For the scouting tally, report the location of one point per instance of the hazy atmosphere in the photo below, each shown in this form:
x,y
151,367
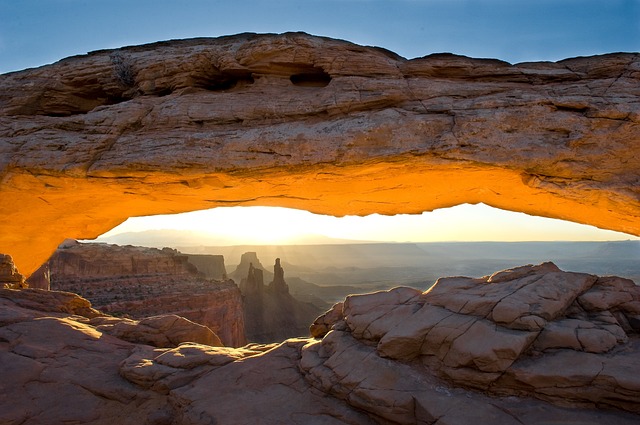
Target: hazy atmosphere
x,y
272,225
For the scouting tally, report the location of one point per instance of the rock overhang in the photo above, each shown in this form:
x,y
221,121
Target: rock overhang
x,y
311,123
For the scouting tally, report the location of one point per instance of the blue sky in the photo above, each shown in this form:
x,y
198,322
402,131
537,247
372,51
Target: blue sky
x,y
37,32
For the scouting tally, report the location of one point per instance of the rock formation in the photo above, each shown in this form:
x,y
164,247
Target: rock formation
x,y
278,285
535,331
9,275
163,331
248,260
212,266
254,282
139,282
550,347
313,123
271,314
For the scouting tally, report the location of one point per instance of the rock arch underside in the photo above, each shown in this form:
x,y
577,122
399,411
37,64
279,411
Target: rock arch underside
x,y
312,123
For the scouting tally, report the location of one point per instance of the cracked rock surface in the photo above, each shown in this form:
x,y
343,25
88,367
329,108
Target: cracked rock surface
x,y
393,357
311,123
535,331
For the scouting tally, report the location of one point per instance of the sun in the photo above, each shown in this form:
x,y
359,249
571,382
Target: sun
x,y
276,226
258,225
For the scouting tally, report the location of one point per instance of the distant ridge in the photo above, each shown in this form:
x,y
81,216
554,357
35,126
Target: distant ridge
x,y
159,238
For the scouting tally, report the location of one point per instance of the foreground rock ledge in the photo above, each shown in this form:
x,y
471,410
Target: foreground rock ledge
x,y
312,123
525,346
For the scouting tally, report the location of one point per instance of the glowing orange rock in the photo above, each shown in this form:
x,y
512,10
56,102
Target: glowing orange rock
x,y
312,123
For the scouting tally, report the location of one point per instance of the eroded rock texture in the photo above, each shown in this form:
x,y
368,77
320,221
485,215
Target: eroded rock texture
x,y
548,346
271,313
536,331
140,282
9,275
312,123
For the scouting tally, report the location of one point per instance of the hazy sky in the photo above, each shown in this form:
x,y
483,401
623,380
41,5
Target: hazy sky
x,y
270,225
37,32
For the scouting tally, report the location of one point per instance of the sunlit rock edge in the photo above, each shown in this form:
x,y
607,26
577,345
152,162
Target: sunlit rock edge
x,y
528,345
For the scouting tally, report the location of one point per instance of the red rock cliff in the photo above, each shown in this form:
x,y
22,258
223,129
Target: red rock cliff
x,y
141,282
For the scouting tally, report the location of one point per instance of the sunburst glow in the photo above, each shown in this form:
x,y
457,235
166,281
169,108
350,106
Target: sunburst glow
x,y
273,225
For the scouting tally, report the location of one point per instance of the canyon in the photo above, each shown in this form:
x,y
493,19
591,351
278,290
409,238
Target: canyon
x,y
271,312
139,282
328,126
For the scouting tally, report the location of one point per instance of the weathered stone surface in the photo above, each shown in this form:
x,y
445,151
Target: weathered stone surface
x,y
267,389
535,295
395,392
325,322
10,278
461,330
369,316
58,370
164,370
51,301
139,282
49,357
160,331
313,123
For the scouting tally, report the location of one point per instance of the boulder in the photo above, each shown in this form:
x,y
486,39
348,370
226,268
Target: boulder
x,y
496,333
167,330
10,278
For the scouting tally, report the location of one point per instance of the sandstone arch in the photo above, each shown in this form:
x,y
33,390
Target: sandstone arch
x,y
314,123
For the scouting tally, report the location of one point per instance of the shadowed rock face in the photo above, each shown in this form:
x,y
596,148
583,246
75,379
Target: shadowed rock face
x,y
549,346
312,123
271,313
142,282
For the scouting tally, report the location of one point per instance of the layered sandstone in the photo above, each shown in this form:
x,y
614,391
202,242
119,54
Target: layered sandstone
x,y
568,338
212,266
140,282
312,123
271,313
551,347
10,277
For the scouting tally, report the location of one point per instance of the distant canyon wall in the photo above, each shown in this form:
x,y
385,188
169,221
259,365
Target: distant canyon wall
x,y
212,266
139,282
313,123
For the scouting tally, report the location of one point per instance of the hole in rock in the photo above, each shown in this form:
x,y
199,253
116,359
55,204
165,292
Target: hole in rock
x,y
231,259
225,81
311,77
73,102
